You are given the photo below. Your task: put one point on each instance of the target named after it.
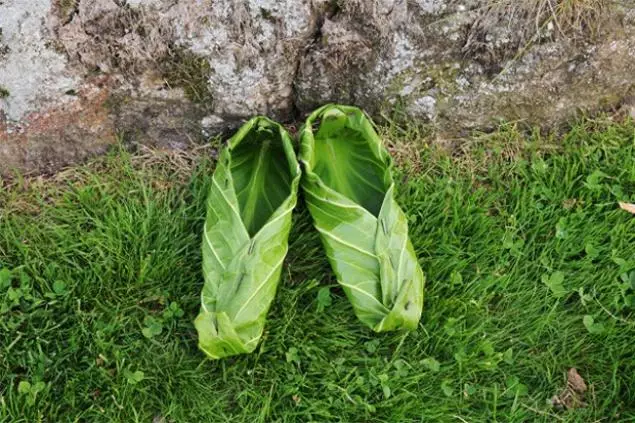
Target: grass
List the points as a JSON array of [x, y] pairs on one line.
[[526, 23], [66, 9], [530, 267], [181, 68], [570, 18]]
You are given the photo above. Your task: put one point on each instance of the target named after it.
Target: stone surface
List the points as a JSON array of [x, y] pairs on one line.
[[75, 74], [31, 72]]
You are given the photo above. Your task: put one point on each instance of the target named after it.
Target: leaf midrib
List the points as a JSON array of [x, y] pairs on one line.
[[342, 181], [255, 184]]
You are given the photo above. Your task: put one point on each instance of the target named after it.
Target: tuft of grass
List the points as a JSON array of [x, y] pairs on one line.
[[524, 23], [182, 68], [576, 18], [571, 19], [66, 9], [530, 269], [4, 93]]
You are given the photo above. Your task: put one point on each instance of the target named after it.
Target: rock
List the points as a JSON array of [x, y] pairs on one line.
[[73, 74], [31, 73]]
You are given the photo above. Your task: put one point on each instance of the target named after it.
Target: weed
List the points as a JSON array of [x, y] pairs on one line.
[[523, 24], [182, 68], [573, 19], [66, 9]]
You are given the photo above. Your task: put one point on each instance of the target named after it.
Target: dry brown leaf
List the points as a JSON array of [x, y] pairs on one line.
[[573, 396], [575, 381], [629, 207]]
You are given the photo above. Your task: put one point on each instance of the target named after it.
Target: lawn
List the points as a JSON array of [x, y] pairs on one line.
[[530, 267]]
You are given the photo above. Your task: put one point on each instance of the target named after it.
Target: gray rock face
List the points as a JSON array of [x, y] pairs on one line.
[[75, 73], [32, 73]]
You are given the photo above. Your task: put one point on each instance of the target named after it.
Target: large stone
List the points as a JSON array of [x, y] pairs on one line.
[[74, 74]]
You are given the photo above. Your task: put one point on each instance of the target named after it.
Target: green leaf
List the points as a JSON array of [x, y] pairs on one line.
[[450, 326], [584, 298], [622, 263], [324, 299], [24, 387], [487, 348], [383, 381], [59, 287], [38, 387], [508, 356], [460, 356], [14, 294], [5, 278], [593, 327], [386, 390], [446, 388], [292, 355], [468, 390], [153, 327], [628, 279], [402, 368], [456, 278], [30, 390], [508, 241], [134, 377], [593, 181], [172, 311], [245, 236], [592, 251], [617, 190], [349, 191], [515, 388], [431, 364], [561, 228], [176, 310], [371, 346], [554, 282], [539, 166]]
